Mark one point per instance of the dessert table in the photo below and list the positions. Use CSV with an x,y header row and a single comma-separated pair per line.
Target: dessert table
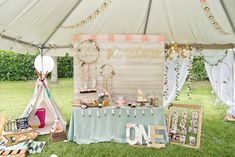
x,y
93,125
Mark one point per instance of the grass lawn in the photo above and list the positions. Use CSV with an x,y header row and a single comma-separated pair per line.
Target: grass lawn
x,y
217,135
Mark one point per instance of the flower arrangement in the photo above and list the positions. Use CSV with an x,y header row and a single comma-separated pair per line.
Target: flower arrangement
x,y
103,99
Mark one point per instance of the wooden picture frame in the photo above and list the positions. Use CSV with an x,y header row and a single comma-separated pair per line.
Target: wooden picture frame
x,y
178,136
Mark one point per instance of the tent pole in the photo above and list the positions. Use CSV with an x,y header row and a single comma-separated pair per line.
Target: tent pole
x,y
61,22
147,17
18,40
204,46
228,16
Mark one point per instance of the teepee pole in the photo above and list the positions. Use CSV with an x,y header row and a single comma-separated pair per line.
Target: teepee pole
x,y
41,72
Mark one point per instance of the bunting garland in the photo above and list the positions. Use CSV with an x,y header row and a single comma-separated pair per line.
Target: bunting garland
x,y
91,17
211,17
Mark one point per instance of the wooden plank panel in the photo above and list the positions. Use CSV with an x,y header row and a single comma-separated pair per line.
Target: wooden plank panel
x,y
131,74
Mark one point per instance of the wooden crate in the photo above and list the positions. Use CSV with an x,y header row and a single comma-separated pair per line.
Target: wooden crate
x,y
58,136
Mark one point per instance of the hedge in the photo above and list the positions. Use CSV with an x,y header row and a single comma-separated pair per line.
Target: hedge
x,y
65,66
14,66
198,69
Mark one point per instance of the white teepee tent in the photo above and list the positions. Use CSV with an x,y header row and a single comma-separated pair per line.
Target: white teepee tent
x,y
43,99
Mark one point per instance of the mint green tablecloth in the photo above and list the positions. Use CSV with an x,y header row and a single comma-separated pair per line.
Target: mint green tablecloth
x,y
95,125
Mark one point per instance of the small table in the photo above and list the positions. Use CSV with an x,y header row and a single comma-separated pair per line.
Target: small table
x,y
95,125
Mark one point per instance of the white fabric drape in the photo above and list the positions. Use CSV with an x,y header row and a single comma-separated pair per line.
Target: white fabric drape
x,y
222,77
171,82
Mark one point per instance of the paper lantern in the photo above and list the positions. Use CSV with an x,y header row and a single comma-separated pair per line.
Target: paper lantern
x,y
44,64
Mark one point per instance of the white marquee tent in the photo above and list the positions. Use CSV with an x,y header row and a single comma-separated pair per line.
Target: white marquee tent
x,y
30,25
37,23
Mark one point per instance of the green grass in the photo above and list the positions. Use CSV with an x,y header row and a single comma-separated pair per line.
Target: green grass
x,y
217,135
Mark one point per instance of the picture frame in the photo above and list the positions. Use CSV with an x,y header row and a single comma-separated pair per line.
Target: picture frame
x,y
190,136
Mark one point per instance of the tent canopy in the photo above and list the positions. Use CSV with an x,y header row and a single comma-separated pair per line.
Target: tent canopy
x,y
37,23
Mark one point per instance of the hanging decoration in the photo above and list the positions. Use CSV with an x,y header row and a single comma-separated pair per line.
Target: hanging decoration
x,y
44,64
91,17
207,10
88,52
107,72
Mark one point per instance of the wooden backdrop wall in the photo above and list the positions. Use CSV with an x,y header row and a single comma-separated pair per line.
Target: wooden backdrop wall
x,y
144,69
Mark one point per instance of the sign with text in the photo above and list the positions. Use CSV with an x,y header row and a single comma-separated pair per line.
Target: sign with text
x,y
22,123
150,137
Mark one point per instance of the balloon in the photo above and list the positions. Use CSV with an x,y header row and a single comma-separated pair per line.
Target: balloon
x,y
47,66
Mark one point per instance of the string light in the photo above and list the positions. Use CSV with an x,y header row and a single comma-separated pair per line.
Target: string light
x,y
176,52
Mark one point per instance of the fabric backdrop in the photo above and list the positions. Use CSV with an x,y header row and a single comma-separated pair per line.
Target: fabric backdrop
x,y
171,82
222,77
